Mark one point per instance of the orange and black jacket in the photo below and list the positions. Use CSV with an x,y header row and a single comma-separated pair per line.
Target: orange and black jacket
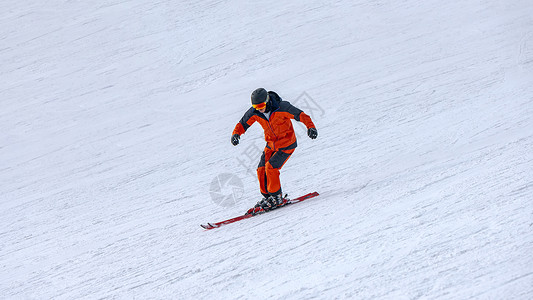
x,y
279,132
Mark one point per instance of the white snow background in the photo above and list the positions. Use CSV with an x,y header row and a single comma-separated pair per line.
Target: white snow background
x,y
116,116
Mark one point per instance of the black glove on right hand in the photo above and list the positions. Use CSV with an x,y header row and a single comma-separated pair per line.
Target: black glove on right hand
x,y
312,133
235,139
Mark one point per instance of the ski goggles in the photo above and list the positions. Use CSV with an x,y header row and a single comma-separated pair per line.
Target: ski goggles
x,y
260,106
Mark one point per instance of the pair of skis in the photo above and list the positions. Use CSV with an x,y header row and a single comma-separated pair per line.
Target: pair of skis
x,y
233,220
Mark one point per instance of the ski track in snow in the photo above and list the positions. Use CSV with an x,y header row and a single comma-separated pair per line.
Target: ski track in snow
x,y
116,116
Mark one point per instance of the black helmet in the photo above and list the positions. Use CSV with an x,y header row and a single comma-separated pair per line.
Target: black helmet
x,y
260,95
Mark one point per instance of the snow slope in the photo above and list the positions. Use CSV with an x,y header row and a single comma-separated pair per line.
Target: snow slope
x,y
116,118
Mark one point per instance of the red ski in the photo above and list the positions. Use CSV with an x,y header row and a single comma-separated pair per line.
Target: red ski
x,y
233,220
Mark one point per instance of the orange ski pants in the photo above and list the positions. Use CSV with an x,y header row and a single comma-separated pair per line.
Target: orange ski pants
x,y
268,170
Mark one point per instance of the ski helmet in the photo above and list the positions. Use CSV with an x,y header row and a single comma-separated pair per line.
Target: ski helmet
x,y
260,95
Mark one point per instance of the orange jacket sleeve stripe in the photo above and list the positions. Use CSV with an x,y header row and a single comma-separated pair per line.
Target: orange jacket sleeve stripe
x,y
298,114
246,121
304,118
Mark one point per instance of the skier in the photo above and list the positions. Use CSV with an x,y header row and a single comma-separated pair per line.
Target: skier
x,y
275,116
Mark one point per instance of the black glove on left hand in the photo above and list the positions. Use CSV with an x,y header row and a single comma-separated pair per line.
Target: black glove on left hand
x,y
312,133
235,139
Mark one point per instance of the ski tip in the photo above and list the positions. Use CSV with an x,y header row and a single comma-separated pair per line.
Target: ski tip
x,y
208,226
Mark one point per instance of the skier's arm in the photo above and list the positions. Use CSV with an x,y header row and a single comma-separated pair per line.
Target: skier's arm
x,y
300,116
246,121
304,118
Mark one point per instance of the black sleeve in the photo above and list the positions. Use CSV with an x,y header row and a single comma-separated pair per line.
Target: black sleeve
x,y
286,106
244,120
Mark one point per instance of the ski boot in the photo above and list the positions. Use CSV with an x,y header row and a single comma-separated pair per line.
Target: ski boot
x,y
278,201
258,208
268,204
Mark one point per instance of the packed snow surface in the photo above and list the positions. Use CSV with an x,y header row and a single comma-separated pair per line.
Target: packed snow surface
x,y
116,119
